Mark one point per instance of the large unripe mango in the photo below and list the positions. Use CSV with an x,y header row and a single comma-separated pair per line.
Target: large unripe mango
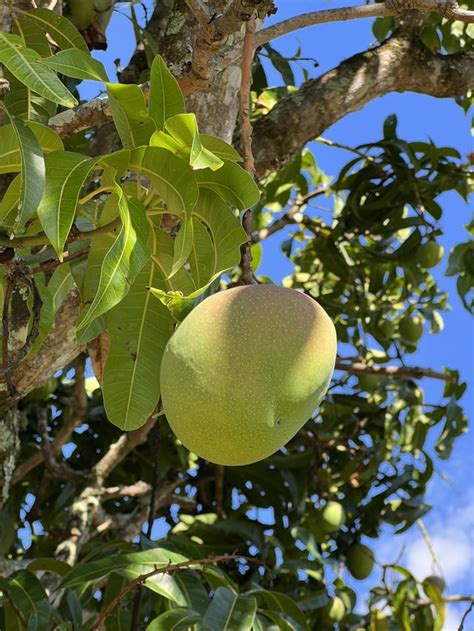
x,y
332,517
245,370
360,561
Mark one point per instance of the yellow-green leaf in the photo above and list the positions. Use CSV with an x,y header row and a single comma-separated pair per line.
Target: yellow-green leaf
x,y
166,98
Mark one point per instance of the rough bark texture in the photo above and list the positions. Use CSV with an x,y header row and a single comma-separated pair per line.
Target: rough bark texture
x,y
9,446
401,64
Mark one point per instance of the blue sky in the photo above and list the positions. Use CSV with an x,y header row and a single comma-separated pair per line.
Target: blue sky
x,y
420,117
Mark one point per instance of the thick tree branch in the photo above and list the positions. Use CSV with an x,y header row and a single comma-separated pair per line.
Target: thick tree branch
x,y
394,372
398,65
449,10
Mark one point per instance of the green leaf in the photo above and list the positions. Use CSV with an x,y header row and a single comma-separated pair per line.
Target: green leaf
x,y
229,612
32,169
281,603
48,564
33,36
28,596
62,30
436,597
66,173
220,148
28,68
122,263
184,129
166,98
232,184
177,619
77,64
10,155
177,186
9,204
139,329
131,118
93,570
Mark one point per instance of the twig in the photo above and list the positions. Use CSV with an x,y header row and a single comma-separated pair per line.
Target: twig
x,y
53,263
55,469
199,11
246,141
293,215
429,543
448,9
394,372
172,567
79,409
446,599
464,618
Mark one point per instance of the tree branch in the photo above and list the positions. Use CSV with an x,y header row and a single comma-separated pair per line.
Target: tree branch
x,y
79,409
449,10
199,10
398,65
394,372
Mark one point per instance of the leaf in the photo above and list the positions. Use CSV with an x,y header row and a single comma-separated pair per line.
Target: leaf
x,y
184,129
229,612
32,169
7,516
232,184
33,36
88,571
131,118
66,173
180,618
220,148
28,597
9,203
62,30
10,155
139,329
177,186
166,98
281,603
122,263
48,564
26,65
77,64
436,597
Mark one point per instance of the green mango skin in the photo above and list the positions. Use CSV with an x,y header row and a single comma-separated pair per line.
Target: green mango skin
x,y
411,328
429,254
245,370
360,561
332,517
336,610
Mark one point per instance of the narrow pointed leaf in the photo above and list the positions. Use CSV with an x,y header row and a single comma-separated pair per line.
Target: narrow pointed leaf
x,y
131,118
178,619
232,184
66,174
220,148
29,597
139,329
10,154
62,30
33,36
122,263
77,64
229,612
184,130
166,98
93,570
32,172
28,68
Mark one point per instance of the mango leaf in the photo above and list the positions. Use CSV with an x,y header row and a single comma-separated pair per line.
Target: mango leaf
x,y
165,99
436,596
220,148
232,184
62,30
33,36
281,603
178,619
191,585
229,612
77,64
184,129
122,263
28,68
139,329
66,173
33,172
48,564
93,570
9,203
10,155
28,596
131,118
177,186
